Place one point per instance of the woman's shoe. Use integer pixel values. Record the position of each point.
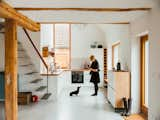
(94, 94)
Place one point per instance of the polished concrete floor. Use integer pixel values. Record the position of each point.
(82, 107)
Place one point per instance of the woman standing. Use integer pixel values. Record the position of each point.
(94, 71)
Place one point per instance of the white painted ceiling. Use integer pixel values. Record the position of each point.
(81, 3)
(81, 16)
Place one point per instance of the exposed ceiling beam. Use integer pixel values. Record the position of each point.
(6, 11)
(124, 23)
(87, 9)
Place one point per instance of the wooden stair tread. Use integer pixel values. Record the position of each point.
(36, 80)
(30, 73)
(22, 56)
(25, 65)
(41, 88)
(46, 96)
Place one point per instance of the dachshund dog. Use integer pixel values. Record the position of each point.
(75, 92)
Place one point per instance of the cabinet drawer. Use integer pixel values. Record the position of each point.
(111, 80)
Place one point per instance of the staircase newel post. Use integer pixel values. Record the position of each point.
(11, 108)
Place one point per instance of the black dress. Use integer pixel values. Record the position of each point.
(95, 75)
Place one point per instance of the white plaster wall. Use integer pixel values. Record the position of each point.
(139, 27)
(2, 57)
(25, 42)
(118, 33)
(82, 36)
(35, 36)
(154, 74)
(47, 35)
(47, 40)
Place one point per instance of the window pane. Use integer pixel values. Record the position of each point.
(146, 71)
(116, 55)
(62, 35)
(62, 58)
(62, 45)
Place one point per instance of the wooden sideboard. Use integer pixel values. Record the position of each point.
(118, 88)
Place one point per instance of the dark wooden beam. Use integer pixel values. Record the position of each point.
(11, 70)
(87, 9)
(84, 23)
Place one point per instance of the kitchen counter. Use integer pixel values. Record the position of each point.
(56, 83)
(55, 73)
(77, 69)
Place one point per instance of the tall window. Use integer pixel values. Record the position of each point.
(62, 45)
(144, 73)
(115, 54)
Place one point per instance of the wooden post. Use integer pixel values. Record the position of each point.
(10, 70)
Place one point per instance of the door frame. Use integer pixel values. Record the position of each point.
(143, 39)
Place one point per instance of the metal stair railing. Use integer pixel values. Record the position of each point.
(47, 95)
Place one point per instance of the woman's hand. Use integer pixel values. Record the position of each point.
(94, 70)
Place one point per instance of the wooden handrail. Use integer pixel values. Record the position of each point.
(40, 56)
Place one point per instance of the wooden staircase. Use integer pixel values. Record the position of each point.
(30, 78)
